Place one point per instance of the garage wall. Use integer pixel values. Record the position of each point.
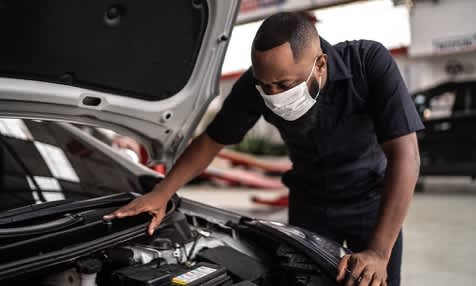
(442, 27)
(425, 72)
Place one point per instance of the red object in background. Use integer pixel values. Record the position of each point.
(159, 168)
(242, 178)
(143, 155)
(236, 177)
(237, 158)
(279, 202)
(252, 5)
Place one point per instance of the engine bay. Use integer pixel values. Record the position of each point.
(187, 250)
(191, 251)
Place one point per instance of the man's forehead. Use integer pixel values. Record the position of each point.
(285, 52)
(278, 63)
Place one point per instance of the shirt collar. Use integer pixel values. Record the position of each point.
(336, 69)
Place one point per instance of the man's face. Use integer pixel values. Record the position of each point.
(276, 70)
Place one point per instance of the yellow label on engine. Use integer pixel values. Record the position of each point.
(193, 275)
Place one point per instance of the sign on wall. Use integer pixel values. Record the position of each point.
(442, 27)
(455, 44)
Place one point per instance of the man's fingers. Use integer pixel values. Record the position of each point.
(357, 267)
(155, 222)
(351, 281)
(342, 268)
(376, 281)
(125, 211)
(108, 216)
(366, 277)
(120, 213)
(112, 215)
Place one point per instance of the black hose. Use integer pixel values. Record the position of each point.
(194, 245)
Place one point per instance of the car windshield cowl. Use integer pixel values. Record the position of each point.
(62, 207)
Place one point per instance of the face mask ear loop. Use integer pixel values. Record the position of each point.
(320, 85)
(313, 66)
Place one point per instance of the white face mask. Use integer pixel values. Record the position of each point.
(292, 103)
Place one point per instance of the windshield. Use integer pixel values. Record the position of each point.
(42, 161)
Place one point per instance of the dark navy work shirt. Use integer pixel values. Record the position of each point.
(335, 147)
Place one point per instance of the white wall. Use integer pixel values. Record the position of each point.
(377, 20)
(442, 27)
(426, 72)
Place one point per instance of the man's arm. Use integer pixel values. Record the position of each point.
(196, 157)
(370, 266)
(396, 121)
(240, 111)
(403, 167)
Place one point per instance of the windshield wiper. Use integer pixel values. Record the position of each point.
(55, 225)
(63, 207)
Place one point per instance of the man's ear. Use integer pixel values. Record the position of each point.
(321, 64)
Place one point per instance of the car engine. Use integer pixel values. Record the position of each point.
(191, 251)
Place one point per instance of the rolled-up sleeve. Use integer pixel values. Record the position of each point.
(393, 109)
(240, 111)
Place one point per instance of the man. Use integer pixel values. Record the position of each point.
(349, 124)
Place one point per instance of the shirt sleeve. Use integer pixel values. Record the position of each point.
(240, 111)
(394, 111)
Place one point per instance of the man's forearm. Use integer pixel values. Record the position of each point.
(191, 163)
(400, 179)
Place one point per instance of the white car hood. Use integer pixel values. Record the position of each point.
(55, 64)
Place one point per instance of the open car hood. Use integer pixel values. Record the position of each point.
(146, 69)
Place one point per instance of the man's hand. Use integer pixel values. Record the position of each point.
(366, 268)
(155, 203)
(191, 163)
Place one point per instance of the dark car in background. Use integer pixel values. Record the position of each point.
(147, 70)
(449, 140)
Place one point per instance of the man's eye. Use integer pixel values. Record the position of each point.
(283, 86)
(265, 86)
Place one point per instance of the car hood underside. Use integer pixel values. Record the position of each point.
(144, 69)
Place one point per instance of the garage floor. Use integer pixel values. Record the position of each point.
(440, 231)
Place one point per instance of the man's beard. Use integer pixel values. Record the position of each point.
(314, 87)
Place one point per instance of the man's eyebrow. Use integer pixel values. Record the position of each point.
(283, 81)
(276, 82)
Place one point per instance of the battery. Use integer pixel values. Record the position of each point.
(150, 274)
(203, 274)
(156, 274)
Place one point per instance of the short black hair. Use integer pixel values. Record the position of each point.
(293, 27)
